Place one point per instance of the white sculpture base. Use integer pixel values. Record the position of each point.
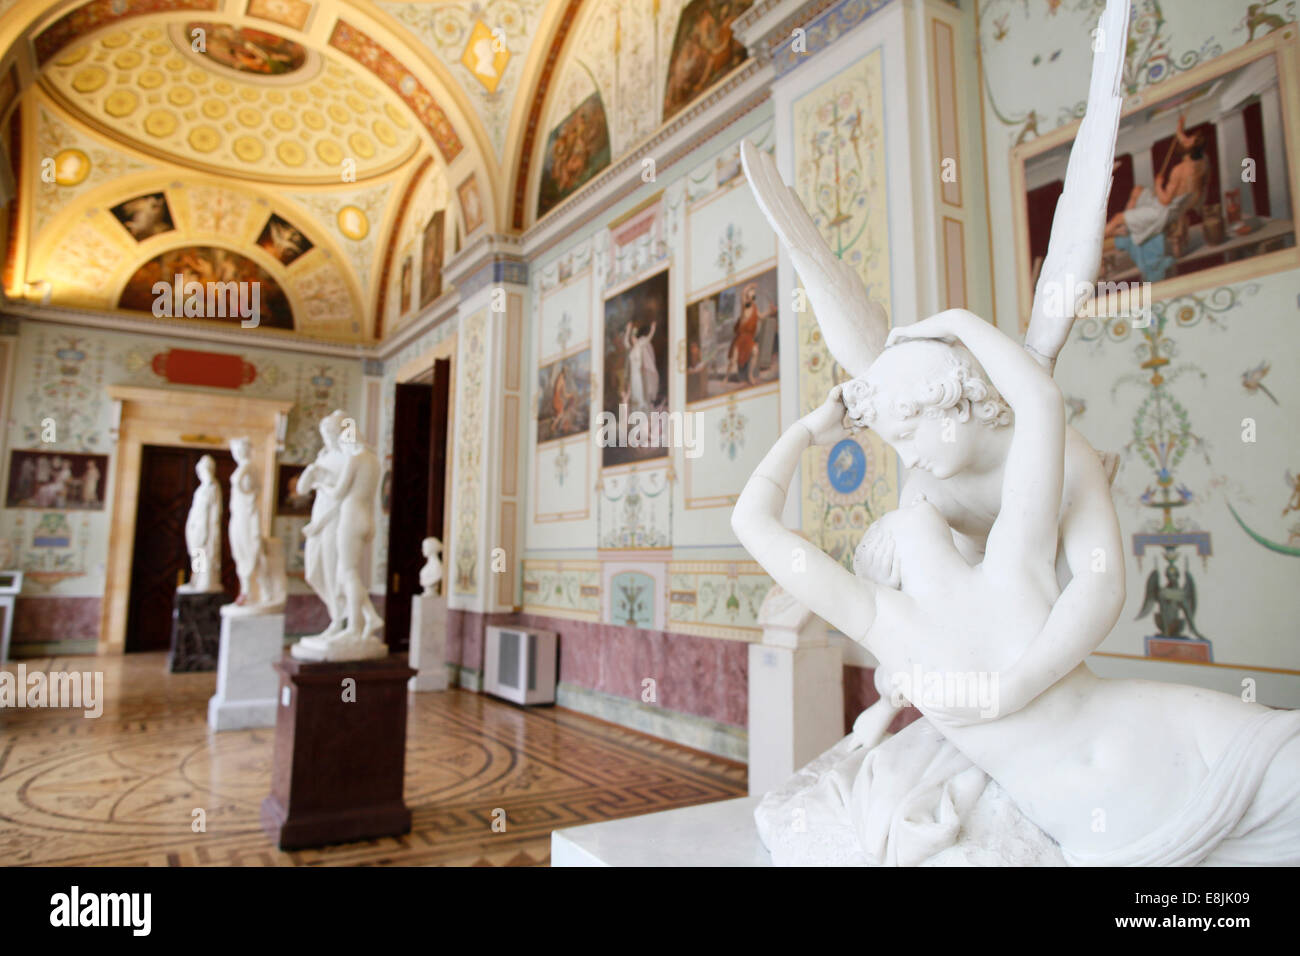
(796, 708)
(187, 589)
(247, 684)
(339, 649)
(428, 642)
(711, 834)
(805, 823)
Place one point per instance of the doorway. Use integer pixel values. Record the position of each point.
(159, 559)
(416, 502)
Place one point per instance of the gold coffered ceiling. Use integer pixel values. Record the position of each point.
(349, 132)
(146, 85)
(305, 146)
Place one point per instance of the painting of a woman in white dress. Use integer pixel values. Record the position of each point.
(636, 356)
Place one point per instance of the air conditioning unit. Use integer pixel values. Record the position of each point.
(519, 664)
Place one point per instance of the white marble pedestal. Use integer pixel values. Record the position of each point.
(247, 684)
(428, 642)
(711, 834)
(796, 694)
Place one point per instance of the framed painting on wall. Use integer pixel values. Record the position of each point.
(731, 339)
(288, 501)
(564, 390)
(1205, 179)
(431, 258)
(56, 480)
(471, 205)
(635, 380)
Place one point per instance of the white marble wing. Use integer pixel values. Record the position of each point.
(853, 324)
(1074, 248)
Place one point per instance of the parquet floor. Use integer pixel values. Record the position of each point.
(121, 790)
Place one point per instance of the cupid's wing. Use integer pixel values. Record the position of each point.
(1074, 248)
(1189, 591)
(853, 324)
(1152, 595)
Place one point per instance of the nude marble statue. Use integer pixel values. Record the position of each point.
(1179, 775)
(960, 439)
(321, 547)
(259, 558)
(351, 492)
(203, 531)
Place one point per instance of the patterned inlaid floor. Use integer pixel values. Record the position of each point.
(121, 790)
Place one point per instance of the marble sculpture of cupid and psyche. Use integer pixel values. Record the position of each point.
(988, 567)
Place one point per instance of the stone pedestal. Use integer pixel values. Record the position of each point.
(428, 642)
(1191, 649)
(711, 834)
(796, 693)
(340, 753)
(246, 682)
(196, 631)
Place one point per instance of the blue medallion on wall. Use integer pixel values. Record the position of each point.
(846, 466)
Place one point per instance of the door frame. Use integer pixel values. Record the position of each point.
(412, 371)
(156, 416)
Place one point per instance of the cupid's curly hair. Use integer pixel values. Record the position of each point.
(960, 387)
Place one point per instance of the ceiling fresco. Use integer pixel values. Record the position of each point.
(330, 149)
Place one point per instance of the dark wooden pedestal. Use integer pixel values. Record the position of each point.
(196, 631)
(338, 767)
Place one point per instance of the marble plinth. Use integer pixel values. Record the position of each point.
(340, 753)
(1191, 649)
(196, 631)
(796, 706)
(246, 682)
(711, 834)
(428, 642)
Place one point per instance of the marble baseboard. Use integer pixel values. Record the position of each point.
(52, 626)
(704, 677)
(469, 678)
(689, 730)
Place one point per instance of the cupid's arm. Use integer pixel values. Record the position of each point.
(1091, 603)
(819, 583)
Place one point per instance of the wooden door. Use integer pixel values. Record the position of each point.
(408, 514)
(159, 560)
(417, 506)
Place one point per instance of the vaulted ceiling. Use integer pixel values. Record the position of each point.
(331, 151)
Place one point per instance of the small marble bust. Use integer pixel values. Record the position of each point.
(431, 573)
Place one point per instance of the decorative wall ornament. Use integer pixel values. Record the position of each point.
(731, 430)
(634, 510)
(840, 177)
(469, 451)
(487, 64)
(562, 589)
(730, 248)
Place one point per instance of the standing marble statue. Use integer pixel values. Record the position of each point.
(352, 495)
(431, 573)
(203, 532)
(321, 546)
(259, 559)
(999, 490)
